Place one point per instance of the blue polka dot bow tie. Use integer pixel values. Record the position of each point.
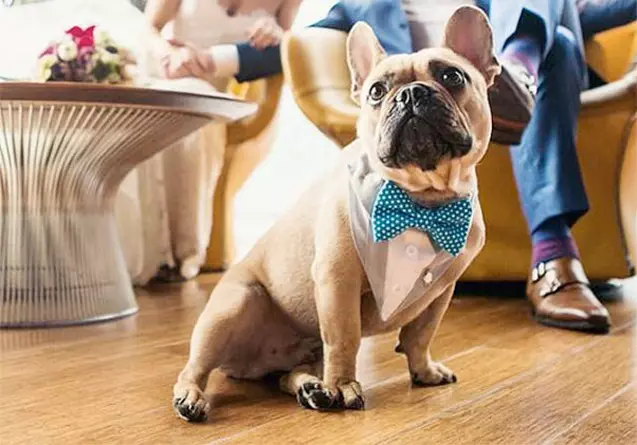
(394, 212)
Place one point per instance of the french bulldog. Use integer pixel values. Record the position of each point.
(318, 281)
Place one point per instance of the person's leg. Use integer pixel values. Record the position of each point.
(536, 19)
(545, 163)
(552, 192)
(190, 174)
(522, 35)
(601, 15)
(524, 32)
(552, 239)
(525, 50)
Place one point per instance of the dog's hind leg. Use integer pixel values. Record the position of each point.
(224, 321)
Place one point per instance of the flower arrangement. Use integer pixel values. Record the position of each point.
(83, 55)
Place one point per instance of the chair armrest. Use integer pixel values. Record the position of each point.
(315, 65)
(266, 93)
(609, 53)
(614, 91)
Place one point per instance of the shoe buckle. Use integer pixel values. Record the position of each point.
(538, 272)
(529, 81)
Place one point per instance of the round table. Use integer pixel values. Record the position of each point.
(64, 150)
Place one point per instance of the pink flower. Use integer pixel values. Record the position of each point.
(82, 37)
(51, 49)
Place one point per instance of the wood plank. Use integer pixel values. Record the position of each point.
(614, 422)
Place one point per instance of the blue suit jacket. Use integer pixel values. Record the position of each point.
(386, 17)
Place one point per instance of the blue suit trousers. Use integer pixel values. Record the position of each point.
(545, 163)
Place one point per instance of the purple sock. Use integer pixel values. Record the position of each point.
(551, 240)
(553, 248)
(524, 50)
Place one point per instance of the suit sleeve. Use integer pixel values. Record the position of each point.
(256, 64)
(337, 18)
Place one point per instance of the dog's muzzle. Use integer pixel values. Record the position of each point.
(423, 129)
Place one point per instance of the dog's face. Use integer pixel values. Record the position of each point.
(425, 119)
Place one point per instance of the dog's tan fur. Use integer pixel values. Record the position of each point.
(300, 301)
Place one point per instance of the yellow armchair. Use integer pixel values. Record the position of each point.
(607, 135)
(247, 146)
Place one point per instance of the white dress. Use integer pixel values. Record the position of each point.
(164, 208)
(206, 23)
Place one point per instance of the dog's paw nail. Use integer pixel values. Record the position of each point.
(191, 413)
(192, 406)
(454, 379)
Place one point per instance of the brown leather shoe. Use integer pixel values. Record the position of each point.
(512, 98)
(561, 297)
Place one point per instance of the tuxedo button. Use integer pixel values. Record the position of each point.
(397, 288)
(428, 278)
(412, 252)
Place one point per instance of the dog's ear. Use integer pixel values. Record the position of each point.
(469, 34)
(363, 54)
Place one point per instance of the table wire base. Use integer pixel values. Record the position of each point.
(61, 262)
(59, 269)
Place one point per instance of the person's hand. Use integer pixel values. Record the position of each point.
(185, 60)
(264, 33)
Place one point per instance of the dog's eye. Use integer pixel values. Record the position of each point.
(452, 78)
(377, 92)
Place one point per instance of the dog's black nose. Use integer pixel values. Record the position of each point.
(414, 94)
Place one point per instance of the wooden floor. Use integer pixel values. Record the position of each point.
(519, 383)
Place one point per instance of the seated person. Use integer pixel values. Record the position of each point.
(541, 43)
(544, 72)
(176, 187)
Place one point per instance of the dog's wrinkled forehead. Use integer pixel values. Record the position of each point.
(423, 66)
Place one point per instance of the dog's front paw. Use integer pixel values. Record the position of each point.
(433, 375)
(352, 395)
(190, 404)
(313, 395)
